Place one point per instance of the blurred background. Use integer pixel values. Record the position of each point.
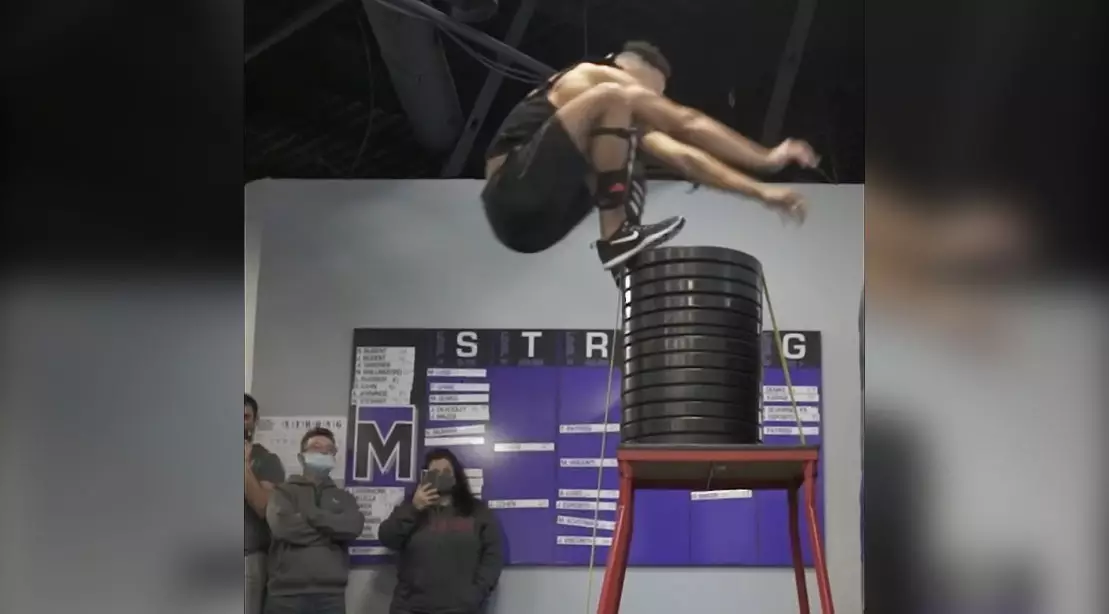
(984, 476)
(985, 308)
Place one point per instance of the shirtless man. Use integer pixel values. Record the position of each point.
(575, 143)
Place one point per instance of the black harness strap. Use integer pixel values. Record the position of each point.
(624, 133)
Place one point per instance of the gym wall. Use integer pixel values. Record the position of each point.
(337, 255)
(252, 252)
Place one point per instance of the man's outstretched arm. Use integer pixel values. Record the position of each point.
(700, 167)
(695, 128)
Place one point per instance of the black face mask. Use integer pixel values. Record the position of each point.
(442, 482)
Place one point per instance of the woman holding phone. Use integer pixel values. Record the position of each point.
(448, 544)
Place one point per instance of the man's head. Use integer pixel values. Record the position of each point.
(317, 452)
(646, 63)
(250, 416)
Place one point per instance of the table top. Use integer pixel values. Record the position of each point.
(717, 467)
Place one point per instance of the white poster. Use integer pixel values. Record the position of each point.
(376, 502)
(282, 435)
(383, 376)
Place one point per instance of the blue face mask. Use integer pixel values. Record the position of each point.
(319, 463)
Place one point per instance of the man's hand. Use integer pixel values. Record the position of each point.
(248, 449)
(788, 203)
(793, 151)
(424, 497)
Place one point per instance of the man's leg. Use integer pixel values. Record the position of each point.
(611, 158)
(255, 582)
(599, 124)
(542, 191)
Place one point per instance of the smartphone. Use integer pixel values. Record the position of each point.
(440, 482)
(428, 477)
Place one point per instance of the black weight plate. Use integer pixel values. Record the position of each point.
(678, 409)
(679, 377)
(751, 363)
(703, 392)
(685, 331)
(674, 254)
(694, 317)
(743, 394)
(741, 310)
(692, 301)
(693, 286)
(693, 270)
(694, 343)
(685, 439)
(665, 426)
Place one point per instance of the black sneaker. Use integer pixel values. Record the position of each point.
(630, 240)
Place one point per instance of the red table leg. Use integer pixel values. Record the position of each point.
(795, 548)
(821, 565)
(613, 586)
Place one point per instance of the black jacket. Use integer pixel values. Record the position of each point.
(446, 563)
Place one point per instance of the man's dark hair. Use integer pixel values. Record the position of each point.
(318, 431)
(462, 497)
(649, 54)
(251, 403)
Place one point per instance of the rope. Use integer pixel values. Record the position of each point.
(636, 211)
(604, 441)
(782, 359)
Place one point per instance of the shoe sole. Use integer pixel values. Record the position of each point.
(650, 240)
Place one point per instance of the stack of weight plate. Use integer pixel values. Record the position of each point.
(692, 371)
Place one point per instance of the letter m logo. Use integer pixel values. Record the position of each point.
(385, 444)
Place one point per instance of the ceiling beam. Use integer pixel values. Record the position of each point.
(488, 92)
(416, 63)
(471, 34)
(787, 72)
(292, 26)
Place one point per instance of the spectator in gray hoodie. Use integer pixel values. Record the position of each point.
(449, 547)
(312, 521)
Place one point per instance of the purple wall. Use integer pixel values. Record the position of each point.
(544, 394)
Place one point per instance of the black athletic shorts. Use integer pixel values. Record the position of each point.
(540, 193)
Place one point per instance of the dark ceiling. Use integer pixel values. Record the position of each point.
(320, 103)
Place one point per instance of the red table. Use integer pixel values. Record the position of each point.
(698, 467)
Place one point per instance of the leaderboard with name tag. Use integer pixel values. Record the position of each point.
(741, 527)
(525, 412)
(802, 352)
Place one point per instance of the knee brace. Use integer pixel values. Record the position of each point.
(614, 189)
